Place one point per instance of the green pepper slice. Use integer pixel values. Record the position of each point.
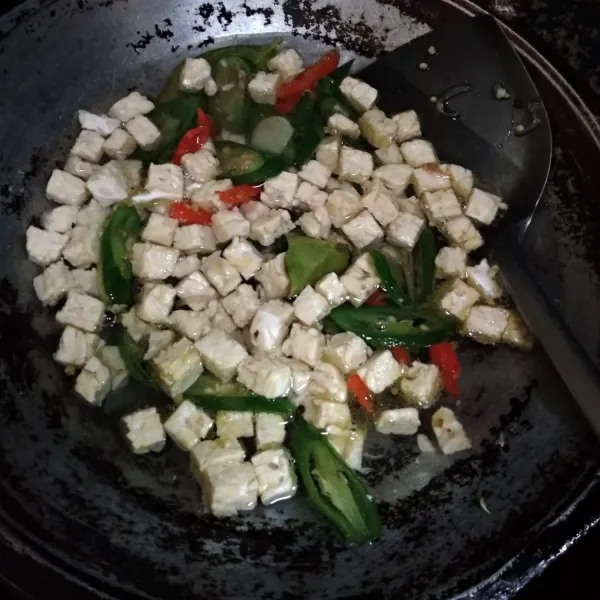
(342, 72)
(308, 130)
(390, 282)
(132, 353)
(256, 56)
(245, 165)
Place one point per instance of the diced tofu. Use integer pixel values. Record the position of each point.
(328, 383)
(410, 205)
(196, 291)
(83, 248)
(310, 307)
(450, 263)
(363, 230)
(483, 278)
(301, 376)
(109, 184)
(342, 205)
(440, 206)
(219, 453)
(144, 431)
(390, 155)
(119, 145)
(266, 376)
(331, 288)
(230, 489)
(339, 124)
(359, 284)
(360, 94)
(160, 230)
(242, 305)
(377, 129)
(270, 431)
(88, 146)
(517, 333)
(265, 230)
(381, 371)
(144, 132)
(482, 206)
(243, 256)
(398, 421)
(221, 354)
(486, 324)
(131, 106)
(79, 167)
(418, 153)
(275, 475)
(155, 303)
(165, 180)
(287, 63)
(205, 195)
(227, 224)
(263, 87)
(346, 351)
(51, 285)
(60, 219)
(273, 278)
(316, 173)
(279, 191)
(237, 424)
(324, 414)
(195, 74)
(381, 206)
(188, 425)
(407, 125)
(158, 340)
(153, 262)
(65, 188)
(305, 344)
(101, 124)
(430, 178)
(201, 166)
(186, 265)
(93, 383)
(81, 311)
(461, 179)
(396, 178)
(405, 230)
(424, 443)
(462, 232)
(365, 262)
(421, 385)
(355, 165)
(192, 239)
(134, 169)
(92, 215)
(349, 444)
(254, 210)
(328, 152)
(220, 273)
(449, 432)
(110, 357)
(456, 299)
(44, 247)
(178, 366)
(84, 281)
(76, 347)
(270, 325)
(193, 325)
(316, 224)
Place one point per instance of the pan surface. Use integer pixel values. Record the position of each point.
(134, 526)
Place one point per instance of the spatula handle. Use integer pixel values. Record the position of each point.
(567, 355)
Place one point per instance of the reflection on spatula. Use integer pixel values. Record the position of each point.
(481, 110)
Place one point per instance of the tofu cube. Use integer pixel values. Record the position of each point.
(230, 489)
(186, 265)
(131, 106)
(461, 232)
(44, 247)
(60, 219)
(88, 146)
(153, 262)
(165, 181)
(287, 63)
(196, 291)
(301, 377)
(407, 125)
(218, 453)
(160, 230)
(328, 152)
(316, 173)
(266, 376)
(381, 206)
(109, 184)
(220, 273)
(359, 284)
(243, 256)
(456, 299)
(430, 178)
(365, 262)
(227, 224)
(270, 431)
(461, 180)
(254, 210)
(381, 371)
(424, 443)
(81, 311)
(242, 305)
(325, 414)
(144, 431)
(155, 303)
(201, 166)
(482, 277)
(305, 344)
(65, 188)
(398, 421)
(195, 239)
(377, 129)
(486, 324)
(310, 307)
(51, 285)
(331, 288)
(144, 132)
(110, 357)
(363, 230)
(119, 145)
(237, 424)
(273, 278)
(346, 351)
(339, 124)
(193, 325)
(79, 168)
(270, 325)
(83, 249)
(405, 230)
(206, 195)
(450, 263)
(396, 178)
(93, 383)
(263, 87)
(449, 432)
(279, 192)
(482, 206)
(421, 385)
(158, 340)
(349, 444)
(275, 475)
(328, 383)
(195, 74)
(440, 206)
(517, 333)
(177, 367)
(343, 205)
(221, 354)
(101, 124)
(92, 215)
(360, 94)
(390, 155)
(316, 224)
(356, 166)
(417, 153)
(265, 230)
(75, 347)
(188, 425)
(410, 205)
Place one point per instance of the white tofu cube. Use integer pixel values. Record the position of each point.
(242, 305)
(279, 191)
(301, 377)
(331, 288)
(237, 424)
(227, 224)
(243, 256)
(270, 431)
(390, 155)
(346, 351)
(461, 232)
(440, 206)
(221, 354)
(328, 152)
(60, 219)
(482, 206)
(195, 74)
(79, 168)
(381, 206)
(177, 367)
(418, 153)
(195, 239)
(92, 215)
(328, 383)
(430, 178)
(65, 188)
(517, 333)
(325, 414)
(93, 383)
(363, 230)
(230, 489)
(265, 230)
(310, 307)
(316, 224)
(381, 371)
(410, 205)
(158, 340)
(88, 146)
(109, 184)
(355, 165)
(343, 205)
(273, 278)
(360, 94)
(287, 63)
(275, 475)
(339, 124)
(188, 425)
(51, 285)
(144, 431)
(254, 210)
(75, 347)
(405, 230)
(396, 178)
(83, 248)
(218, 453)
(266, 376)
(421, 385)
(136, 328)
(424, 443)
(144, 132)
(206, 195)
(398, 421)
(166, 181)
(101, 124)
(193, 325)
(359, 284)
(160, 230)
(449, 432)
(153, 262)
(186, 265)
(349, 444)
(450, 263)
(81, 311)
(461, 180)
(110, 357)
(407, 125)
(486, 324)
(270, 325)
(44, 247)
(201, 166)
(377, 129)
(482, 277)
(155, 303)
(263, 87)
(365, 262)
(305, 344)
(196, 291)
(131, 106)
(456, 299)
(220, 273)
(119, 145)
(316, 173)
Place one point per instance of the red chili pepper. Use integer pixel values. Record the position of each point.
(186, 214)
(444, 357)
(377, 298)
(401, 355)
(287, 106)
(239, 194)
(195, 138)
(361, 392)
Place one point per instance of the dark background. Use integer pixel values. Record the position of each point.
(568, 33)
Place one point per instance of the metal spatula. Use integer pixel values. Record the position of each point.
(481, 110)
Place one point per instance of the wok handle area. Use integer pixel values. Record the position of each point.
(569, 358)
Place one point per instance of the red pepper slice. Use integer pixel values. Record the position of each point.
(287, 106)
(186, 214)
(401, 355)
(239, 194)
(361, 392)
(195, 138)
(444, 357)
(377, 298)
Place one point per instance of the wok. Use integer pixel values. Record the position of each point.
(87, 515)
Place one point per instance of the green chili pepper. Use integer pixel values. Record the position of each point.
(390, 283)
(332, 487)
(331, 100)
(425, 252)
(211, 393)
(132, 353)
(308, 130)
(256, 56)
(243, 164)
(342, 72)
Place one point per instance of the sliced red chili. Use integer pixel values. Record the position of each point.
(361, 392)
(377, 298)
(239, 194)
(401, 355)
(186, 214)
(444, 357)
(195, 138)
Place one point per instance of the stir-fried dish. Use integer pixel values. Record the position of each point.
(287, 263)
